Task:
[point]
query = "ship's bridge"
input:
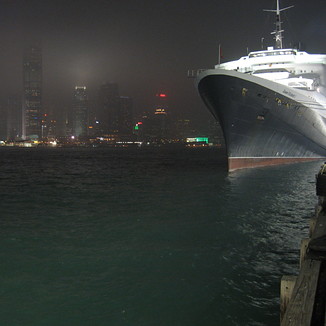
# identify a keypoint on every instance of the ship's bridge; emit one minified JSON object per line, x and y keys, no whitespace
{"x":261,"y":60}
{"x":272,"y":60}
{"x":271,"y":52}
{"x":297,"y":69}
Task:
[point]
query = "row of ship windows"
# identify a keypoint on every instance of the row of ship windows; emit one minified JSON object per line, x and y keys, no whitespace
{"x":277,"y":100}
{"x":264,"y":54}
{"x":301,"y":71}
{"x":273,"y":63}
{"x":290,"y":71}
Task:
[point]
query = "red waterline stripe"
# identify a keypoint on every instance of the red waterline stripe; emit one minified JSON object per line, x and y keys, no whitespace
{"x":236,"y":163}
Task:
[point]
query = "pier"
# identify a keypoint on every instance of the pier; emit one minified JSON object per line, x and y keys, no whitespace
{"x":303,"y":297}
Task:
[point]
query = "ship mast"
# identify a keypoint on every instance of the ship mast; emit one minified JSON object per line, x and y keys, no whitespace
{"x":278,"y":25}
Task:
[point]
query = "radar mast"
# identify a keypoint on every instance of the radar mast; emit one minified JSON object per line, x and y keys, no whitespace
{"x":278,"y":25}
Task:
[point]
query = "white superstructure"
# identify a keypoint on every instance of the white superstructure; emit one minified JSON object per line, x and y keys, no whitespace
{"x":304,"y":73}
{"x":290,"y":67}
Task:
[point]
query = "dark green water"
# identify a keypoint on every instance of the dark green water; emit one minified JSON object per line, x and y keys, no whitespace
{"x":141,"y":238}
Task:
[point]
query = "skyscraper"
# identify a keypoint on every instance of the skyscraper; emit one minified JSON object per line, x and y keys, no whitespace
{"x":80,"y":112}
{"x":160,"y":120}
{"x":108,"y":107}
{"x":156,"y":124}
{"x":32,"y":93}
{"x":3,"y":122}
{"x":125,"y":118}
{"x":114,"y":112}
{"x":14,"y":118}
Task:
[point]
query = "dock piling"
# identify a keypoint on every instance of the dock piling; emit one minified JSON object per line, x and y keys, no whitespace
{"x":303,"y":298}
{"x":286,"y":290}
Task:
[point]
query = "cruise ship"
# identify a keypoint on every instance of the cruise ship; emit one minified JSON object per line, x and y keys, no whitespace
{"x":271,"y":104}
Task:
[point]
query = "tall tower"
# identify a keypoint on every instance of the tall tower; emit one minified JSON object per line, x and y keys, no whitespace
{"x":32,"y":93}
{"x":108,"y":107}
{"x":14,"y":118}
{"x":80,"y":112}
{"x":161,"y":118}
{"x":125,"y":117}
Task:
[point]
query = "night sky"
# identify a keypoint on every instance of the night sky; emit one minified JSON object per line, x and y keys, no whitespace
{"x":145,"y":46}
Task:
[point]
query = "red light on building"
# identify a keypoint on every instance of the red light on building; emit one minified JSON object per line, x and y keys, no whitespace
{"x":161,"y":95}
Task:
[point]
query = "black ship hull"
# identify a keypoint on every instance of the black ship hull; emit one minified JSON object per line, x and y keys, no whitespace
{"x":263,"y":123}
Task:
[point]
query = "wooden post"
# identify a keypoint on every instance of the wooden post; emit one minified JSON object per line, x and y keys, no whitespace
{"x":312,"y":226}
{"x":287,"y":285}
{"x":303,"y":250}
{"x":300,"y":308}
{"x":318,"y":207}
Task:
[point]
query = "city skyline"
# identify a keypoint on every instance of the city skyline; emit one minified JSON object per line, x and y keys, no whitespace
{"x":145,"y":47}
{"x":109,"y":119}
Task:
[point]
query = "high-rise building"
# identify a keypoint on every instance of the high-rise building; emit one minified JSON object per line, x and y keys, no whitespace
{"x":14,"y":118}
{"x":183,"y":129}
{"x":32,"y":93}
{"x":3,"y":122}
{"x":160,"y":120}
{"x":108,"y":108}
{"x":125,"y":117}
{"x":80,"y":112}
{"x":155,"y":125}
{"x":114,"y":113}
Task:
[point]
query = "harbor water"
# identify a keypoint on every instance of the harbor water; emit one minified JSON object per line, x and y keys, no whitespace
{"x":143,"y":237}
